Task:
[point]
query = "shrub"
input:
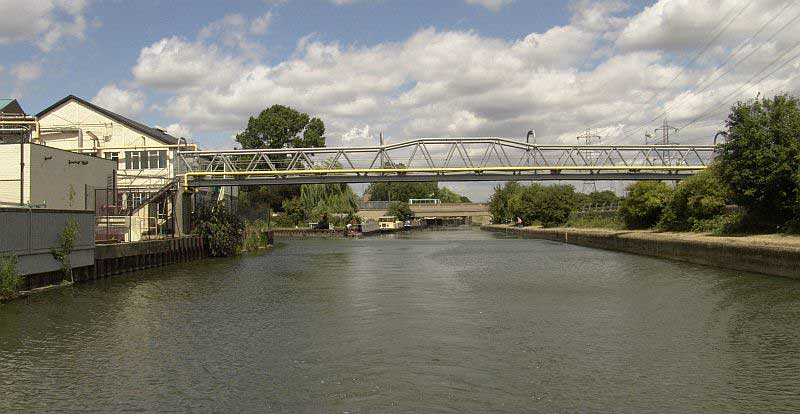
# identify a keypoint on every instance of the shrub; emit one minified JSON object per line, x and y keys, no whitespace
{"x":697,"y":199}
{"x":645,"y":203}
{"x":550,"y":205}
{"x":221,"y":230}
{"x":10,"y":279}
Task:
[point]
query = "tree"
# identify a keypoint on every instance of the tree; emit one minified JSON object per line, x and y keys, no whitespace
{"x":447,"y":195}
{"x":401,"y":210}
{"x":321,"y":200}
{"x":700,"y":197}
{"x":645,"y":203}
{"x":499,"y":202}
{"x":596,"y":198}
{"x":282,"y":127}
{"x":401,"y":191}
{"x":759,"y":161}
{"x":277,"y":127}
{"x":549,"y":205}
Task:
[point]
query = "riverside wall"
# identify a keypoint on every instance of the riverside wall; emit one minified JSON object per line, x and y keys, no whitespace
{"x":757,"y":258}
{"x":113,"y":259}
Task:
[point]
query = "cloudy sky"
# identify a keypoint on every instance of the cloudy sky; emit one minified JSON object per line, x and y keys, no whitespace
{"x":407,"y":68}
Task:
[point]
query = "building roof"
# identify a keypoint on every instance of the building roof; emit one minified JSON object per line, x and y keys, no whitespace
{"x":150,"y":131}
{"x":10,"y":107}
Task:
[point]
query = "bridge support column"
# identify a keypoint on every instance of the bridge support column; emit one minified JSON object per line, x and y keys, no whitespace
{"x":183,"y":204}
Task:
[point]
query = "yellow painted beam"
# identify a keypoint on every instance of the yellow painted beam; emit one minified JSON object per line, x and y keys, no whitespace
{"x":443,"y":170}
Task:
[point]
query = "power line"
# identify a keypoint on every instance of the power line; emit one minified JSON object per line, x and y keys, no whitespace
{"x":694,"y":59}
{"x":715,"y":80}
{"x":737,"y":92}
{"x":736,"y":64}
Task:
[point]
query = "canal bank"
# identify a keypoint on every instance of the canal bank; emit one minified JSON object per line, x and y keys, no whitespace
{"x":771,"y":255}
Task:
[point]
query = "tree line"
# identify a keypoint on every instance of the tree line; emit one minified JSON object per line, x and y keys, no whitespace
{"x":757,"y":169}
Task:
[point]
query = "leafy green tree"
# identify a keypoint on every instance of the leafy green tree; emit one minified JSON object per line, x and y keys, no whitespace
{"x":549,"y":205}
{"x":499,"y":202}
{"x":282,"y":127}
{"x":294,"y":210}
{"x":222,"y":231}
{"x":760,"y":160}
{"x":645,"y":203}
{"x":447,"y":195}
{"x":401,"y":191}
{"x":320,"y":200}
{"x":277,"y":127}
{"x":698,"y":198}
{"x":401,"y":210}
{"x":596,"y":198}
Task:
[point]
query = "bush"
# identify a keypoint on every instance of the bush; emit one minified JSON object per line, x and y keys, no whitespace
{"x":697,"y":199}
{"x":645,"y":203}
{"x":550,"y":205}
{"x":10,"y":279}
{"x":222,"y":230}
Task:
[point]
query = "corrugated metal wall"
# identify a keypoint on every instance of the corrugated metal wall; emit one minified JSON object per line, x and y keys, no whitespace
{"x":31,"y":235}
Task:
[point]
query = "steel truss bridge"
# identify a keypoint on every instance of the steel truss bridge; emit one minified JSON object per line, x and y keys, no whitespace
{"x":442,"y":159}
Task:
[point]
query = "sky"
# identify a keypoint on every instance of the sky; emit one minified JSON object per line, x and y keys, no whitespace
{"x":406,"y":68}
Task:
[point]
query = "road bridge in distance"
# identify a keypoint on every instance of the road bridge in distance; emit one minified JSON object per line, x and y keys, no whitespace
{"x":441,"y":159}
{"x":474,"y":213}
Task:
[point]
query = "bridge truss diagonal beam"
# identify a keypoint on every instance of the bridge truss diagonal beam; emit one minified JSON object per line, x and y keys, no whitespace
{"x":442,"y":159}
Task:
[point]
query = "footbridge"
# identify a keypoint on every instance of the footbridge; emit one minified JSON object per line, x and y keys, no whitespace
{"x":441,"y":159}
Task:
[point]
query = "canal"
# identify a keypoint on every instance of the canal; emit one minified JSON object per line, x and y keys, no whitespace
{"x":432,"y":321}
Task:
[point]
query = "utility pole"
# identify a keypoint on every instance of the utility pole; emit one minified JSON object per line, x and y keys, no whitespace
{"x":591,"y":157}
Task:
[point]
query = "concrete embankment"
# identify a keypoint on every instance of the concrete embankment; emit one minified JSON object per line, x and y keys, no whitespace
{"x":746,"y":254}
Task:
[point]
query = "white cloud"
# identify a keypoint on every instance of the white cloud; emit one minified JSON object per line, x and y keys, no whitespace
{"x":125,"y":102}
{"x":493,"y":5}
{"x":436,"y":83}
{"x":43,"y":22}
{"x":260,"y":24}
{"x":177,"y":130}
{"x":26,"y":71}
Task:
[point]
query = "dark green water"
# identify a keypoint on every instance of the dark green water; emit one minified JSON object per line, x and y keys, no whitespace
{"x":447,"y":321}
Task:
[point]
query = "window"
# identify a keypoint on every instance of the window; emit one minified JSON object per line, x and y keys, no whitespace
{"x":142,"y":160}
{"x":114,"y":156}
